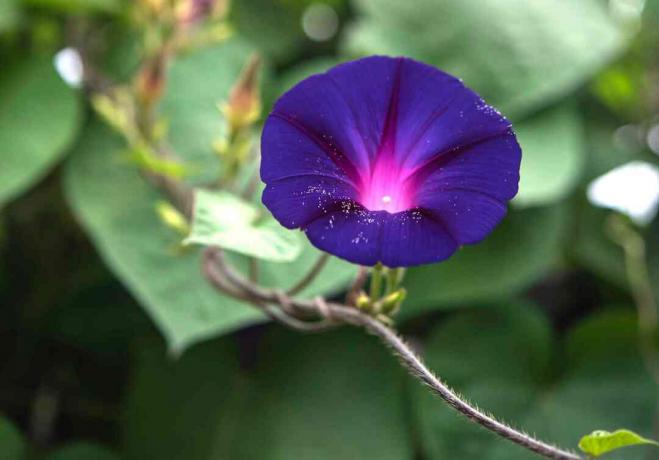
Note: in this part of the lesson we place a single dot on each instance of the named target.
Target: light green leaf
(552, 155)
(601, 442)
(520, 251)
(12, 444)
(519, 54)
(224, 220)
(290, 402)
(39, 116)
(83, 451)
(505, 361)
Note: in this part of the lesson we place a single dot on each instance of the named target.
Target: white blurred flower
(68, 64)
(632, 189)
(320, 22)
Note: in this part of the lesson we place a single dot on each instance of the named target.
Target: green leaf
(305, 69)
(83, 451)
(9, 15)
(224, 220)
(12, 444)
(197, 82)
(516, 371)
(116, 207)
(270, 26)
(79, 6)
(504, 50)
(520, 251)
(290, 401)
(552, 155)
(181, 408)
(275, 27)
(601, 442)
(593, 248)
(39, 116)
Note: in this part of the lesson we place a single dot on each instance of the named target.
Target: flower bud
(172, 217)
(244, 105)
(190, 12)
(363, 302)
(150, 81)
(154, 6)
(392, 302)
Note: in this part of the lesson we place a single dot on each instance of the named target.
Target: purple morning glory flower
(388, 160)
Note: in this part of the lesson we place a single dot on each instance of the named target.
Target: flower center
(386, 189)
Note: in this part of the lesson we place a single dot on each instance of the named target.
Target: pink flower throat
(388, 188)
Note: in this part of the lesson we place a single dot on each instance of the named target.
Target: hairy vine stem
(296, 313)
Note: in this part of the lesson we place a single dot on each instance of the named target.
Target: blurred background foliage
(113, 346)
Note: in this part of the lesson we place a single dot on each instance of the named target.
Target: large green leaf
(116, 206)
(519, 251)
(182, 408)
(335, 396)
(83, 451)
(12, 444)
(498, 359)
(518, 54)
(552, 155)
(39, 116)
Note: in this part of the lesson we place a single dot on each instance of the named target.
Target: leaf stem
(310, 276)
(376, 282)
(638, 275)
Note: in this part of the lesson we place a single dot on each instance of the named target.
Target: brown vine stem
(311, 275)
(222, 275)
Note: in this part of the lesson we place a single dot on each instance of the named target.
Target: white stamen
(386, 199)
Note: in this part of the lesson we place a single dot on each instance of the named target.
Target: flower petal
(296, 201)
(345, 109)
(490, 167)
(290, 153)
(368, 237)
(468, 216)
(437, 113)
